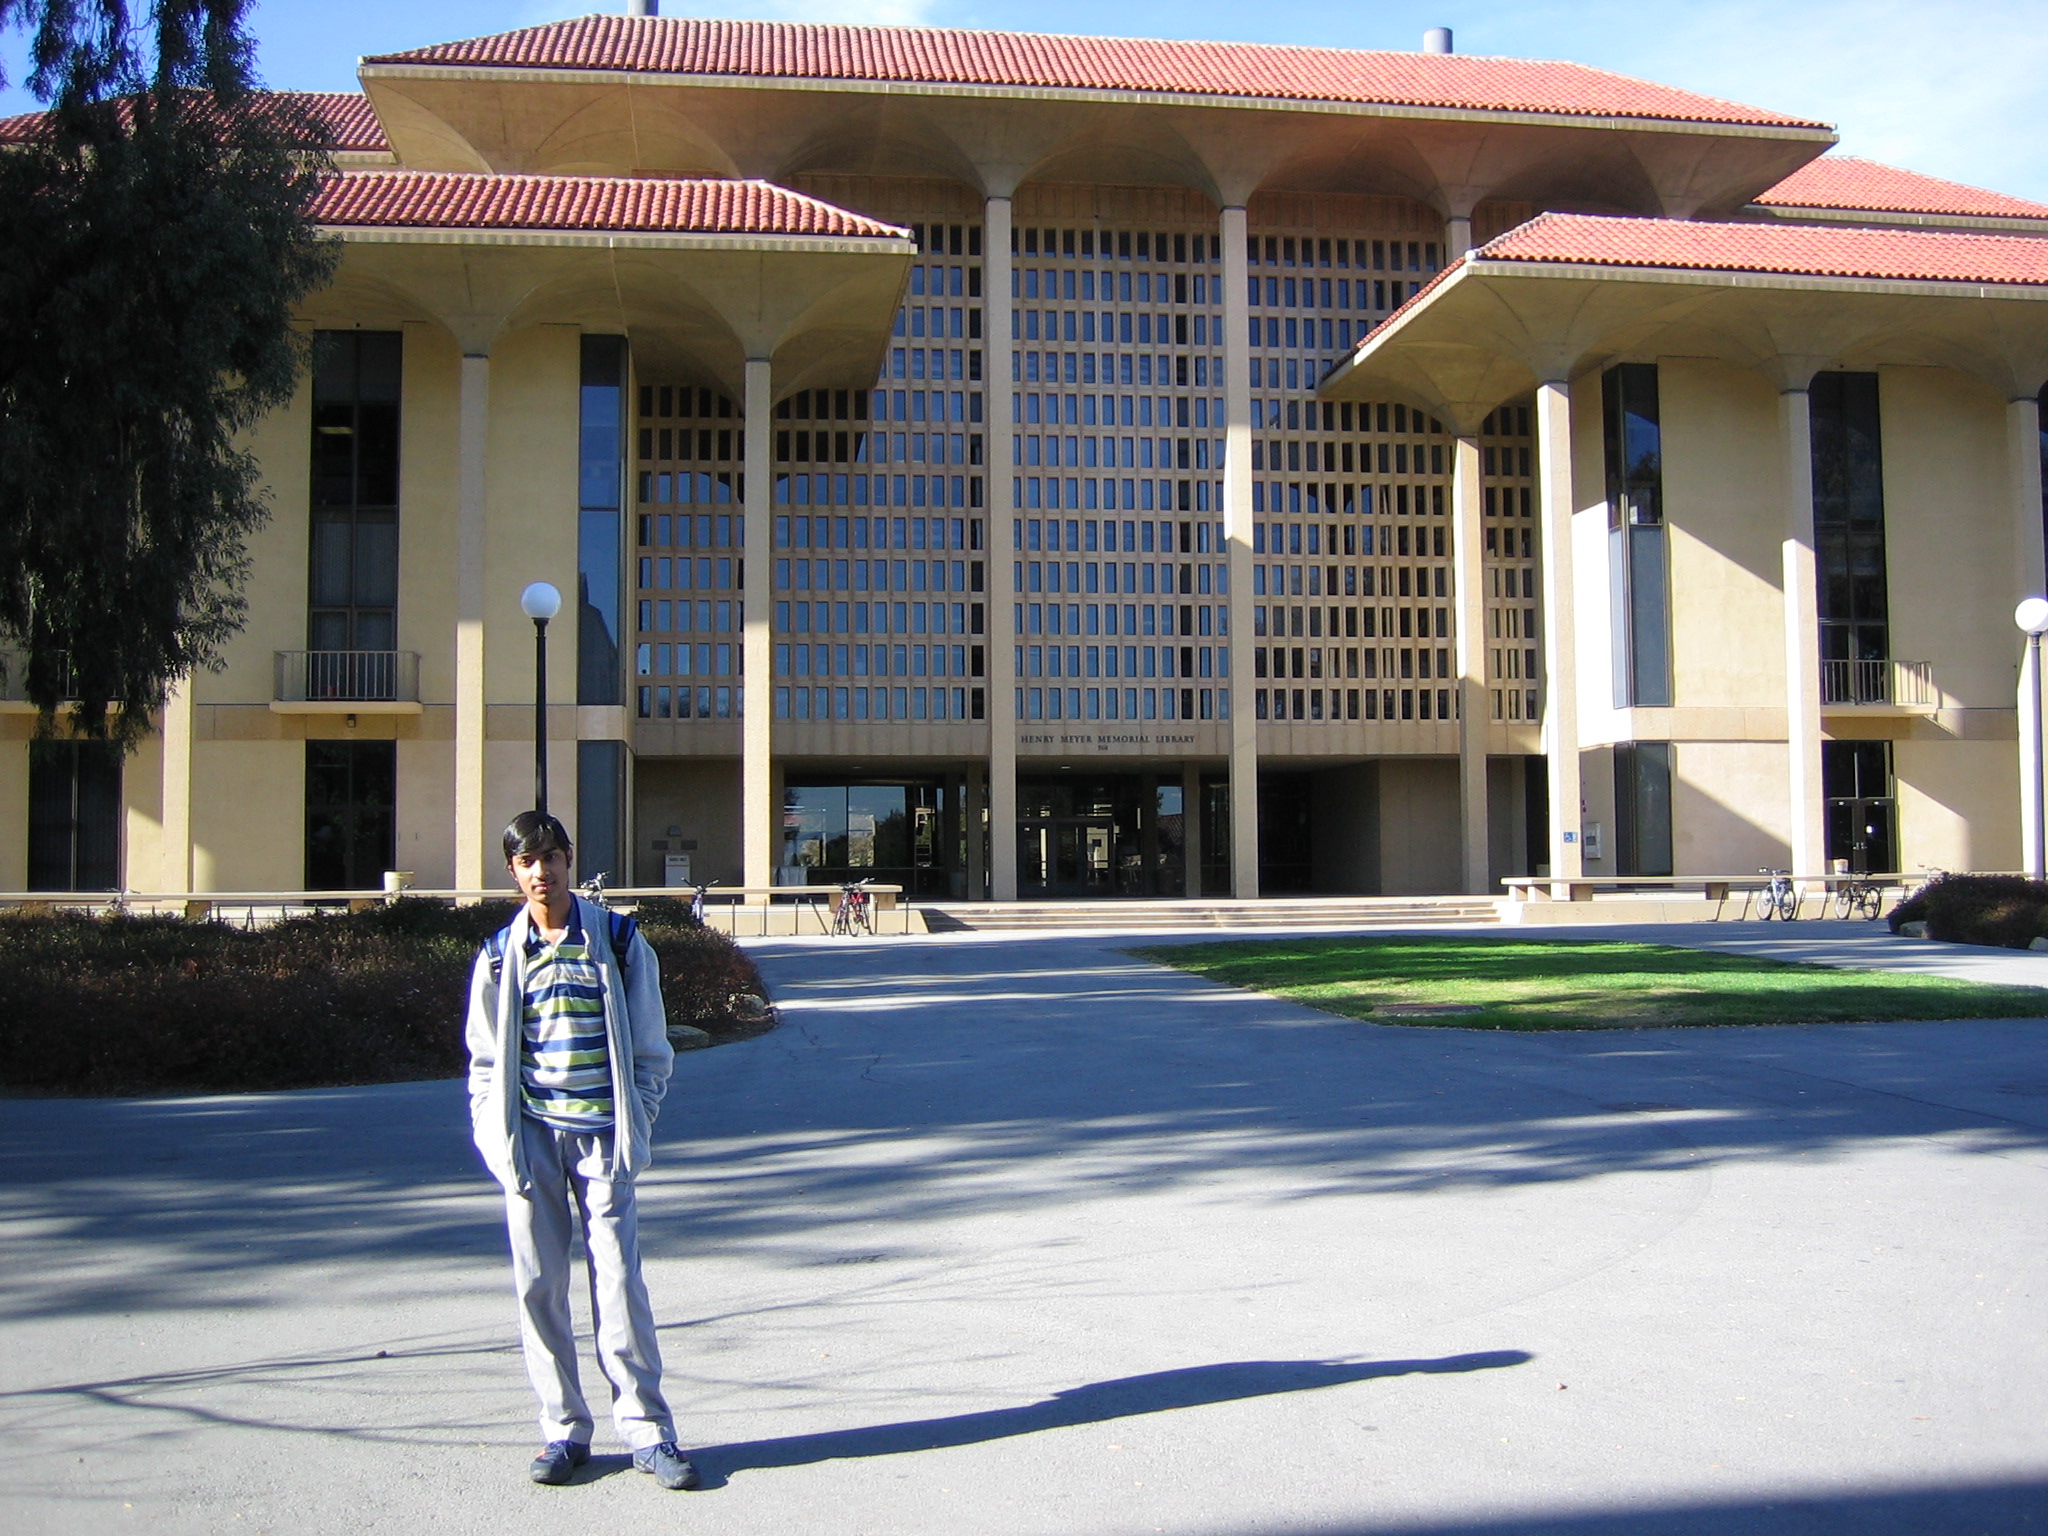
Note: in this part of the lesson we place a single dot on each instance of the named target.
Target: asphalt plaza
(1022, 1234)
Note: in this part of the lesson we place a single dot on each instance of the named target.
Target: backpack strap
(623, 931)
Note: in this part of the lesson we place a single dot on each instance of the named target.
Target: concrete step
(1141, 916)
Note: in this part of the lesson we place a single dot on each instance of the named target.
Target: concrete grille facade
(1012, 480)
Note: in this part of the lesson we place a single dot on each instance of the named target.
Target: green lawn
(1477, 983)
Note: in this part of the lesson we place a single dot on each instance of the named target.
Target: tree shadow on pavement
(1971, 1509)
(1095, 1403)
(928, 1083)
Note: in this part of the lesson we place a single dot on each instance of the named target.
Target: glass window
(1642, 808)
(600, 830)
(1639, 583)
(600, 553)
(353, 575)
(351, 794)
(909, 833)
(1848, 517)
(2042, 407)
(74, 816)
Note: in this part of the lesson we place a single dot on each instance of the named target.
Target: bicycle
(855, 913)
(1859, 898)
(697, 901)
(592, 890)
(1778, 899)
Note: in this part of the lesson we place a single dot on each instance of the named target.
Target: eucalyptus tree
(156, 237)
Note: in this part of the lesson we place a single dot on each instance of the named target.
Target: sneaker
(667, 1463)
(558, 1459)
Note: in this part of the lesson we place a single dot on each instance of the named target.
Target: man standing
(568, 1061)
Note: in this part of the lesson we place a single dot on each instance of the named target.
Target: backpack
(623, 929)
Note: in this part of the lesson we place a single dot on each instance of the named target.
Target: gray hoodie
(636, 1032)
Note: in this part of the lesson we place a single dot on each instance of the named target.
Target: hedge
(123, 1004)
(2009, 911)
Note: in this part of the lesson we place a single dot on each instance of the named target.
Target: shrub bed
(123, 1004)
(2009, 911)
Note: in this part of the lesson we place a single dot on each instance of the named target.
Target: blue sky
(1956, 88)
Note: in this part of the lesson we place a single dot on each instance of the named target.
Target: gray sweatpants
(572, 1188)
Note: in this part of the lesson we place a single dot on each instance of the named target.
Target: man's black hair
(533, 832)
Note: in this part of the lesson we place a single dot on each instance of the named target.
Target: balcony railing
(348, 677)
(1905, 683)
(14, 677)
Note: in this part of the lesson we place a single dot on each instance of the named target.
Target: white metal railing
(348, 676)
(741, 910)
(1908, 683)
(14, 676)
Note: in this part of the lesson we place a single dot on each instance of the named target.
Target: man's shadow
(1095, 1403)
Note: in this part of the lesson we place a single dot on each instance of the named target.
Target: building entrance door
(1098, 836)
(1068, 856)
(1862, 811)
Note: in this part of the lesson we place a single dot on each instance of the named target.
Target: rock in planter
(2037, 942)
(749, 1009)
(685, 1037)
(1912, 930)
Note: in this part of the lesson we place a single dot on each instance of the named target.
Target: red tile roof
(467, 200)
(1842, 181)
(347, 114)
(1813, 250)
(929, 55)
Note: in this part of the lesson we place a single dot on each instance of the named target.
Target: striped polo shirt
(565, 1075)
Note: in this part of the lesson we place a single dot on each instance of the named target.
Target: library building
(1021, 467)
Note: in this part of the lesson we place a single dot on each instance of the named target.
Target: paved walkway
(1021, 1235)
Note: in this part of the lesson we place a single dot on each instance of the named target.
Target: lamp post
(2032, 618)
(541, 602)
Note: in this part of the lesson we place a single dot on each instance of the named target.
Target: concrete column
(1191, 826)
(759, 823)
(1468, 575)
(1457, 235)
(1002, 659)
(472, 441)
(2023, 459)
(1237, 534)
(177, 788)
(975, 803)
(1806, 823)
(1560, 633)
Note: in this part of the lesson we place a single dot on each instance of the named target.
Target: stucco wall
(248, 815)
(1728, 807)
(1958, 804)
(700, 796)
(1418, 826)
(1948, 539)
(1723, 507)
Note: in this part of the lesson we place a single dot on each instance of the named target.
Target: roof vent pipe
(653, 8)
(1435, 40)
